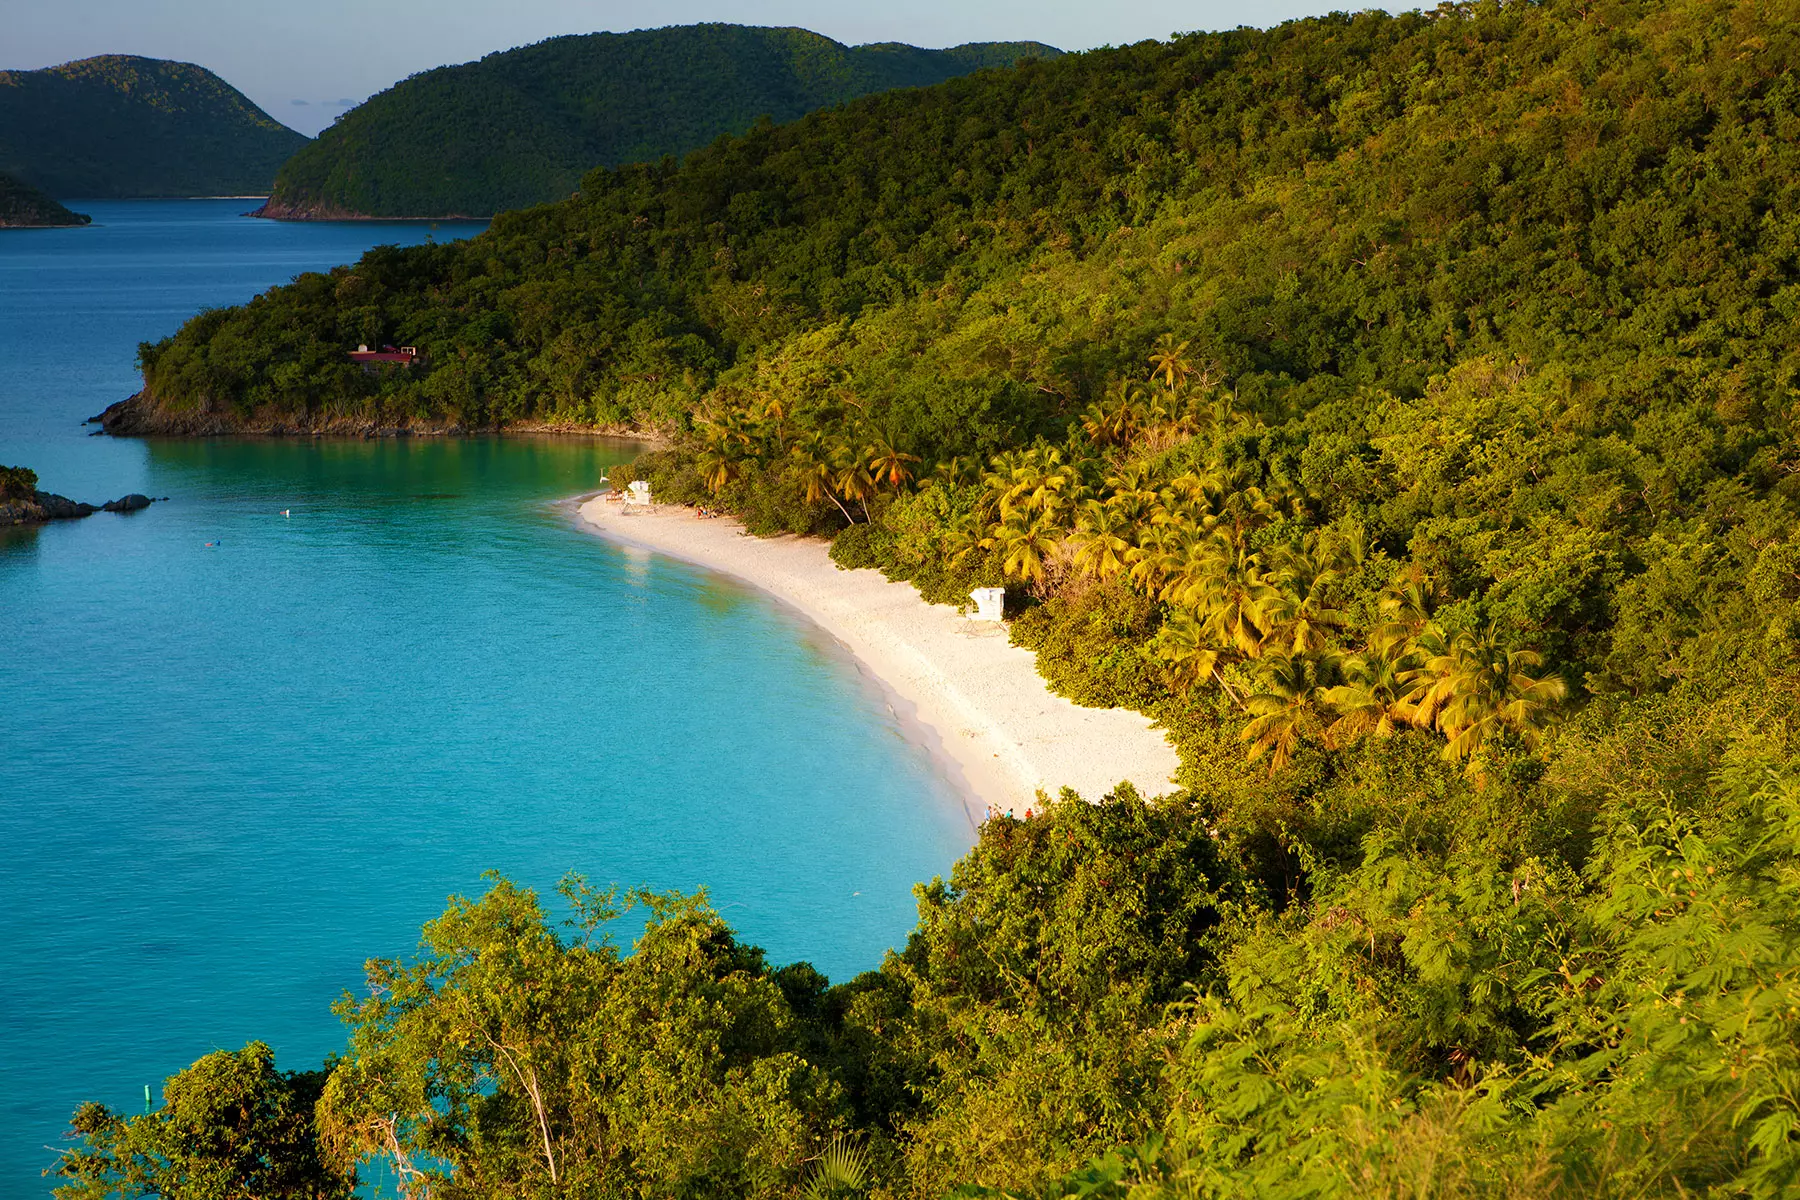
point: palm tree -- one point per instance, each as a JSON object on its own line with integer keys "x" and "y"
{"x": 888, "y": 465}
{"x": 812, "y": 462}
{"x": 1280, "y": 712}
{"x": 1027, "y": 547}
{"x": 1372, "y": 700}
{"x": 1184, "y": 643}
{"x": 842, "y": 1171}
{"x": 1116, "y": 419}
{"x": 1298, "y": 615}
{"x": 1098, "y": 541}
{"x": 1472, "y": 687}
{"x": 1156, "y": 556}
{"x": 960, "y": 541}
{"x": 1227, "y": 583}
{"x": 851, "y": 479}
{"x": 1405, "y": 609}
{"x": 1169, "y": 361}
{"x": 956, "y": 471}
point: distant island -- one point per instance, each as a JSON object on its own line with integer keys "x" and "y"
{"x": 119, "y": 126}
{"x": 24, "y": 207}
{"x": 521, "y": 127}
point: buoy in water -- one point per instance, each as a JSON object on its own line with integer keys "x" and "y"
{"x": 287, "y": 512}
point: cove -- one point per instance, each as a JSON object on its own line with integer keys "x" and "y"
{"x": 233, "y": 772}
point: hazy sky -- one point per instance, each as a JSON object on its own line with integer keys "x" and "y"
{"x": 304, "y": 60}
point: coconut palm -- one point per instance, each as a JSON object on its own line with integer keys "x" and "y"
{"x": 1192, "y": 657}
{"x": 811, "y": 459}
{"x": 1115, "y": 419}
{"x": 719, "y": 467}
{"x": 1405, "y": 609}
{"x": 851, "y": 478}
{"x": 1226, "y": 582}
{"x": 1471, "y": 687}
{"x": 1168, "y": 361}
{"x": 1026, "y": 546}
{"x": 1281, "y": 711}
{"x": 1372, "y": 700}
{"x": 956, "y": 471}
{"x": 1156, "y": 555}
{"x": 888, "y": 465}
{"x": 1298, "y": 613}
{"x": 1098, "y": 541}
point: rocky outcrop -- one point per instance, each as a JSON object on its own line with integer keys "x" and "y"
{"x": 48, "y": 506}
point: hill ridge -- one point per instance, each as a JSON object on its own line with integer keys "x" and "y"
{"x": 125, "y": 125}
{"x": 522, "y": 126}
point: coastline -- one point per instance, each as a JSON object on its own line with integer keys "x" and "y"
{"x": 139, "y": 415}
{"x": 975, "y": 700}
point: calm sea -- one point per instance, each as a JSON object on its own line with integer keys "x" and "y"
{"x": 229, "y": 773}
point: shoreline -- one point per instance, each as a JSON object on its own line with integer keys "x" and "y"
{"x": 974, "y": 701}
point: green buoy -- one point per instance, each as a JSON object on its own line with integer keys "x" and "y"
{"x": 146, "y": 1098}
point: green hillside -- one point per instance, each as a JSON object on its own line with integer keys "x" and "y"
{"x": 119, "y": 126}
{"x": 1399, "y": 408}
{"x": 22, "y": 206}
{"x": 521, "y": 127}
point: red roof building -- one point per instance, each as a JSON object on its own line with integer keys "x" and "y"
{"x": 406, "y": 356}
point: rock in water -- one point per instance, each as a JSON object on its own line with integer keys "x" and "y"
{"x": 125, "y": 504}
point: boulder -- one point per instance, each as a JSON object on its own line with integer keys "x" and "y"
{"x": 60, "y": 507}
{"x": 125, "y": 504}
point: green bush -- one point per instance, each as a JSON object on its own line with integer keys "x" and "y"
{"x": 17, "y": 483}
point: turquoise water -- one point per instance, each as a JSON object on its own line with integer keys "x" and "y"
{"x": 230, "y": 773}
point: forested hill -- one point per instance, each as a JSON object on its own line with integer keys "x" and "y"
{"x": 26, "y": 207}
{"x": 521, "y": 127}
{"x": 119, "y": 125}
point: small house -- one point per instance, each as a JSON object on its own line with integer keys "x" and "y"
{"x": 400, "y": 356}
{"x": 990, "y": 603}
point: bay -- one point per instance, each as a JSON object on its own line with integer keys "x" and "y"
{"x": 230, "y": 772}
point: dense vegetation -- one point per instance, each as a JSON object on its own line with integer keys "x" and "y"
{"x": 523, "y": 126}
{"x": 17, "y": 483}
{"x": 1397, "y": 407}
{"x": 120, "y": 126}
{"x": 23, "y": 206}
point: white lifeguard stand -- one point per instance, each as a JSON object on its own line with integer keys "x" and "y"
{"x": 989, "y": 603}
{"x": 638, "y": 492}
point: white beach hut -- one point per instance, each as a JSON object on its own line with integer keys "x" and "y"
{"x": 988, "y": 603}
{"x": 638, "y": 492}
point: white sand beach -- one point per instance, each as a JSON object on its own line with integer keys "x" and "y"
{"x": 976, "y": 700}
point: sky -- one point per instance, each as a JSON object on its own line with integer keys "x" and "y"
{"x": 305, "y": 62}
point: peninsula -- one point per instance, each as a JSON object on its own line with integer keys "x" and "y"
{"x": 25, "y": 207}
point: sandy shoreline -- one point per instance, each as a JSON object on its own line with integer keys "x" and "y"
{"x": 978, "y": 700}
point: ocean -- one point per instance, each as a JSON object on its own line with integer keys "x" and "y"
{"x": 241, "y": 752}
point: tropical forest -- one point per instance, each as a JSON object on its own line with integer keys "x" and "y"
{"x": 1399, "y": 408}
